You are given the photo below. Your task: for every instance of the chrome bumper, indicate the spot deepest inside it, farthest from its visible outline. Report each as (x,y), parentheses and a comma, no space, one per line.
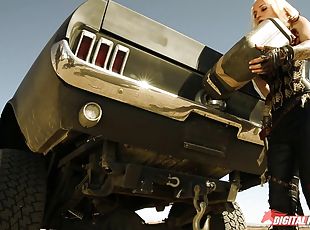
(89,77)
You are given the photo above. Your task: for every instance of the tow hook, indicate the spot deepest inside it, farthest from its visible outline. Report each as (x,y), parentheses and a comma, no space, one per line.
(202,206)
(173,181)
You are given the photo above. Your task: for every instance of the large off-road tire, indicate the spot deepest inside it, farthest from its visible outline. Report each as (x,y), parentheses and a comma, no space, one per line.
(22,190)
(231,219)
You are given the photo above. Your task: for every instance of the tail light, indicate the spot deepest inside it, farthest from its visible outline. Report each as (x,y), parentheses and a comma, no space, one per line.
(101,57)
(85,45)
(102,52)
(119,59)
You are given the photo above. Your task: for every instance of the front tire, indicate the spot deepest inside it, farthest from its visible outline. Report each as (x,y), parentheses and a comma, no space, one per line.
(230,219)
(22,190)
(227,217)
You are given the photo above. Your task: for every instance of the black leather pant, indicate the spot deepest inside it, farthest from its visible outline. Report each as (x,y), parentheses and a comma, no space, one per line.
(289,156)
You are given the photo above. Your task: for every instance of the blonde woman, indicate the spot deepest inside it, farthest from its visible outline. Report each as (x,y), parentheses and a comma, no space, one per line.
(282,79)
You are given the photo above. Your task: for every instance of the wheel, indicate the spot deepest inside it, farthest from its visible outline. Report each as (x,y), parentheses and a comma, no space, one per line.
(22,190)
(231,219)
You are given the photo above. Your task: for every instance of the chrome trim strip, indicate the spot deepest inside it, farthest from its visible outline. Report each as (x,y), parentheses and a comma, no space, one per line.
(205,150)
(89,77)
(100,42)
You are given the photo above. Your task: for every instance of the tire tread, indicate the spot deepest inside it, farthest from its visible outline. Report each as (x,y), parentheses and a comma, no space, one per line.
(22,189)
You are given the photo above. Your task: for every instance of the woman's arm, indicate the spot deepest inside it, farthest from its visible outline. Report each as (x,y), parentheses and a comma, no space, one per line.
(302,50)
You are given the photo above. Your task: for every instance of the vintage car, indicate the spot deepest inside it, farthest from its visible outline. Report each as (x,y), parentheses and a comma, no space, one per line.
(112,117)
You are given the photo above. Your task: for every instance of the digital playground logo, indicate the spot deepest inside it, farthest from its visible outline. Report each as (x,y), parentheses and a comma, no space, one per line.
(276,218)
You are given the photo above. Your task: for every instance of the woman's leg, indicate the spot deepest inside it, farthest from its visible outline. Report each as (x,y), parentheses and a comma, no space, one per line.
(303,153)
(281,169)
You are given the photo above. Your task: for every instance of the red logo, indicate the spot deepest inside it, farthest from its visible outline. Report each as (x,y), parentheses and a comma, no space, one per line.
(270,215)
(281,219)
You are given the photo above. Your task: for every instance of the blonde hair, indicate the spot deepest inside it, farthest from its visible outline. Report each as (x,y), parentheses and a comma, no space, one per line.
(282,9)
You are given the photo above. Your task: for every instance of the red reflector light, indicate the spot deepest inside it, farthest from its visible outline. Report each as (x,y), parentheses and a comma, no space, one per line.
(85,45)
(84,48)
(102,55)
(118,61)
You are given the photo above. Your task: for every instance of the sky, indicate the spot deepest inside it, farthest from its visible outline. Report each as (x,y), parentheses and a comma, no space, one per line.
(27,25)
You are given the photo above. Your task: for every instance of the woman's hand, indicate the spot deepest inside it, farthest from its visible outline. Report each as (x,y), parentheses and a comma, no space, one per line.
(271,59)
(262,64)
